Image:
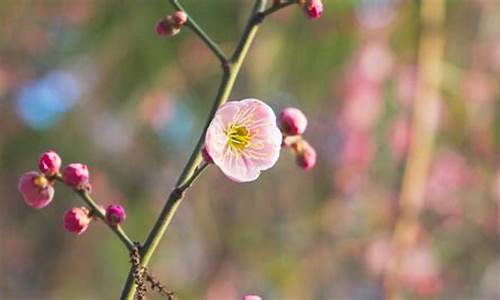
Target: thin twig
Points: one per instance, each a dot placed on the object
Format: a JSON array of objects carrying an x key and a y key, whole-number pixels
[
  {"x": 158, "y": 286},
  {"x": 191, "y": 23}
]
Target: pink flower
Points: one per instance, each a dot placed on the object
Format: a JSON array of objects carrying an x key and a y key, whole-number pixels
[
  {"x": 49, "y": 163},
  {"x": 77, "y": 220},
  {"x": 115, "y": 214},
  {"x": 36, "y": 189},
  {"x": 243, "y": 139},
  {"x": 313, "y": 9},
  {"x": 76, "y": 175},
  {"x": 251, "y": 297},
  {"x": 292, "y": 121}
]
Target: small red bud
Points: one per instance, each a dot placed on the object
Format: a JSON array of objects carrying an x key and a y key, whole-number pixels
[
  {"x": 313, "y": 8},
  {"x": 115, "y": 214},
  {"x": 77, "y": 220},
  {"x": 77, "y": 176},
  {"x": 180, "y": 18},
  {"x": 292, "y": 121},
  {"x": 49, "y": 163}
]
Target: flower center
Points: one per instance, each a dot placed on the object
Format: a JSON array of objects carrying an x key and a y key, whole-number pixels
[{"x": 238, "y": 137}]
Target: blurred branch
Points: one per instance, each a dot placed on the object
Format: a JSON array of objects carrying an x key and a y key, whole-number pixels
[
  {"x": 191, "y": 23},
  {"x": 423, "y": 131}
]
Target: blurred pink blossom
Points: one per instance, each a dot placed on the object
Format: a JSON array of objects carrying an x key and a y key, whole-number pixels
[
  {"x": 406, "y": 85},
  {"x": 361, "y": 109},
  {"x": 378, "y": 255},
  {"x": 477, "y": 87},
  {"x": 376, "y": 61},
  {"x": 358, "y": 150},
  {"x": 420, "y": 272},
  {"x": 449, "y": 176},
  {"x": 399, "y": 137}
]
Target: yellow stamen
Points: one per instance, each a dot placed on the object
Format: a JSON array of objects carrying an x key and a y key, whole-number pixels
[
  {"x": 238, "y": 137},
  {"x": 40, "y": 181}
]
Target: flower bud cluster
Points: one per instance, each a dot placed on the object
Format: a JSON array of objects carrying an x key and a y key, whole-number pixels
[{"x": 37, "y": 189}]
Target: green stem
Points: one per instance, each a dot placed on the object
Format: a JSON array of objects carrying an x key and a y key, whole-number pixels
[
  {"x": 194, "y": 167},
  {"x": 199, "y": 32}
]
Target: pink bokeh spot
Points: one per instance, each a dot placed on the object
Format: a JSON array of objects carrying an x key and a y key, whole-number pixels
[{"x": 243, "y": 139}]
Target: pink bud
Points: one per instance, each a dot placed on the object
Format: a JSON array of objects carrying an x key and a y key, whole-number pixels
[
  {"x": 306, "y": 155},
  {"x": 77, "y": 176},
  {"x": 49, "y": 163},
  {"x": 313, "y": 9},
  {"x": 77, "y": 220},
  {"x": 292, "y": 121},
  {"x": 36, "y": 189},
  {"x": 206, "y": 156},
  {"x": 171, "y": 24},
  {"x": 115, "y": 214},
  {"x": 165, "y": 27},
  {"x": 251, "y": 297},
  {"x": 180, "y": 18}
]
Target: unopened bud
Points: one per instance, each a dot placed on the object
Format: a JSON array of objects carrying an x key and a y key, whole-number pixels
[
  {"x": 292, "y": 121},
  {"x": 49, "y": 163},
  {"x": 77, "y": 220}
]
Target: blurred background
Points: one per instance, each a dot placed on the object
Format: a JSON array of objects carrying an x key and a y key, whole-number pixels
[{"x": 91, "y": 80}]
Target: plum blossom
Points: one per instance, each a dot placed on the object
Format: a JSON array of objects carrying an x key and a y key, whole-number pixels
[
  {"x": 37, "y": 191},
  {"x": 243, "y": 139}
]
